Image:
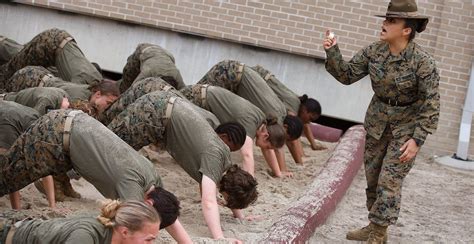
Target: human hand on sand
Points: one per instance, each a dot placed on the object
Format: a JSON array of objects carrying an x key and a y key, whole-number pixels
[
  {"x": 232, "y": 240},
  {"x": 329, "y": 40},
  {"x": 285, "y": 174},
  {"x": 317, "y": 146},
  {"x": 252, "y": 218}
]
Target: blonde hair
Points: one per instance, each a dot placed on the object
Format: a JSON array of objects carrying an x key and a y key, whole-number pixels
[{"x": 130, "y": 214}]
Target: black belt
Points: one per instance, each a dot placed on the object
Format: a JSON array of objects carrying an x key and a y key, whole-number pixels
[{"x": 393, "y": 102}]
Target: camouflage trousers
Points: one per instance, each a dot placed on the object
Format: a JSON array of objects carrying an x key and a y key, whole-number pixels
[
  {"x": 137, "y": 90},
  {"x": 226, "y": 74},
  {"x": 35, "y": 154},
  {"x": 385, "y": 174},
  {"x": 143, "y": 122},
  {"x": 27, "y": 77},
  {"x": 149, "y": 60},
  {"x": 8, "y": 49},
  {"x": 51, "y": 48},
  {"x": 196, "y": 94}
]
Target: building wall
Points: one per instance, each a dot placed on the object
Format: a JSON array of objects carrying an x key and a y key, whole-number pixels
[{"x": 297, "y": 27}]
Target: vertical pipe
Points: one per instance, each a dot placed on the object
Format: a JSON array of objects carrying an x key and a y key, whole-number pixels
[{"x": 465, "y": 128}]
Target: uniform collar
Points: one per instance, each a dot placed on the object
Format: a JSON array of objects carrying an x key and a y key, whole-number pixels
[{"x": 405, "y": 55}]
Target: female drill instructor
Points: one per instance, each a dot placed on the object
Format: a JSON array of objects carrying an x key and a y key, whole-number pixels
[{"x": 403, "y": 110}]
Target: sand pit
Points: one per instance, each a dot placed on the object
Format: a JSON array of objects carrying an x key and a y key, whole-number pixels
[
  {"x": 275, "y": 195},
  {"x": 437, "y": 207}
]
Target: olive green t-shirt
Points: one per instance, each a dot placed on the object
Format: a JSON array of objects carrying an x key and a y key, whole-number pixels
[
  {"x": 256, "y": 90},
  {"x": 74, "y": 230},
  {"x": 229, "y": 107},
  {"x": 41, "y": 99},
  {"x": 75, "y": 91},
  {"x": 194, "y": 144},
  {"x": 287, "y": 96},
  {"x": 108, "y": 163},
  {"x": 14, "y": 120},
  {"x": 8, "y": 49}
]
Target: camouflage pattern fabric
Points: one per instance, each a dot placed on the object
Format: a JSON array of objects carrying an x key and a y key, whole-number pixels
[
  {"x": 223, "y": 74},
  {"x": 40, "y": 51},
  {"x": 385, "y": 174},
  {"x": 27, "y": 77},
  {"x": 149, "y": 60},
  {"x": 143, "y": 122},
  {"x": 193, "y": 94},
  {"x": 35, "y": 154},
  {"x": 84, "y": 106},
  {"x": 410, "y": 79},
  {"x": 138, "y": 89}
]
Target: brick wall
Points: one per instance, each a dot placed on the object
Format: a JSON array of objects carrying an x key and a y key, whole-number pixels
[{"x": 297, "y": 27}]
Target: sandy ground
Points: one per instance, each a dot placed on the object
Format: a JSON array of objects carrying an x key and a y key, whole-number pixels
[
  {"x": 275, "y": 195},
  {"x": 437, "y": 207}
]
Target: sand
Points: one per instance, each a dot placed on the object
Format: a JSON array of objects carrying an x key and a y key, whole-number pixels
[
  {"x": 275, "y": 195},
  {"x": 437, "y": 207}
]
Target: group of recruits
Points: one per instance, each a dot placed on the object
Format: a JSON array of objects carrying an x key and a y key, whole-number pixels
[
  {"x": 60, "y": 119},
  {"x": 199, "y": 125}
]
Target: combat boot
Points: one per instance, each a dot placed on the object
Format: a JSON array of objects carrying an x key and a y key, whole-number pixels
[
  {"x": 362, "y": 234},
  {"x": 65, "y": 185},
  {"x": 378, "y": 234}
]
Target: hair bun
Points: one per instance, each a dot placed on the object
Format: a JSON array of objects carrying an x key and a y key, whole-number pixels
[
  {"x": 271, "y": 119},
  {"x": 303, "y": 98},
  {"x": 108, "y": 212}
]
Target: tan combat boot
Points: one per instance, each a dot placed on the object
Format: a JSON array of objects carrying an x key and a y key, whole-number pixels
[
  {"x": 362, "y": 234},
  {"x": 65, "y": 185},
  {"x": 378, "y": 234}
]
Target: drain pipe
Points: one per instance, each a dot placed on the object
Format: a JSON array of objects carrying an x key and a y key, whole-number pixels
[
  {"x": 459, "y": 159},
  {"x": 466, "y": 120}
]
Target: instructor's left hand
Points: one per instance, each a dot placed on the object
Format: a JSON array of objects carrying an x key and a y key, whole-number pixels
[{"x": 409, "y": 149}]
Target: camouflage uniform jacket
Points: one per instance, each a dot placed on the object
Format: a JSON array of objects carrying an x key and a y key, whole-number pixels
[{"x": 406, "y": 88}]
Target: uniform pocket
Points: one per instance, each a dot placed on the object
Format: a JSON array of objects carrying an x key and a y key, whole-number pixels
[{"x": 405, "y": 81}]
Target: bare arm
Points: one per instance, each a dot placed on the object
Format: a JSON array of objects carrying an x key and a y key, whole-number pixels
[
  {"x": 179, "y": 234},
  {"x": 48, "y": 185},
  {"x": 309, "y": 135},
  {"x": 210, "y": 208},
  {"x": 296, "y": 150},
  {"x": 15, "y": 200},
  {"x": 246, "y": 151},
  {"x": 271, "y": 160}
]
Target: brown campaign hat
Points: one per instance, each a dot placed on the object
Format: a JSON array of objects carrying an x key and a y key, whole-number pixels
[{"x": 405, "y": 9}]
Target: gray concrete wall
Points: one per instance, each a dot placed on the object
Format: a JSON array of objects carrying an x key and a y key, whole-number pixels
[{"x": 109, "y": 43}]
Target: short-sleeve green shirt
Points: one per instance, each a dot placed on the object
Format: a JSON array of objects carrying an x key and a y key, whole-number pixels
[
  {"x": 108, "y": 163},
  {"x": 14, "y": 120},
  {"x": 229, "y": 107},
  {"x": 74, "y": 230},
  {"x": 39, "y": 98},
  {"x": 192, "y": 142},
  {"x": 287, "y": 96}
]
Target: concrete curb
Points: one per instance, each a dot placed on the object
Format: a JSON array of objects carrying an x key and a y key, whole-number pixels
[{"x": 311, "y": 210}]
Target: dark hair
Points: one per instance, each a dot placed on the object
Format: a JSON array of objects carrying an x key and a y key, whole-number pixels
[
  {"x": 235, "y": 131},
  {"x": 166, "y": 204},
  {"x": 294, "y": 127},
  {"x": 97, "y": 67},
  {"x": 311, "y": 105},
  {"x": 276, "y": 132},
  {"x": 240, "y": 186},
  {"x": 170, "y": 80},
  {"x": 413, "y": 24},
  {"x": 106, "y": 87}
]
